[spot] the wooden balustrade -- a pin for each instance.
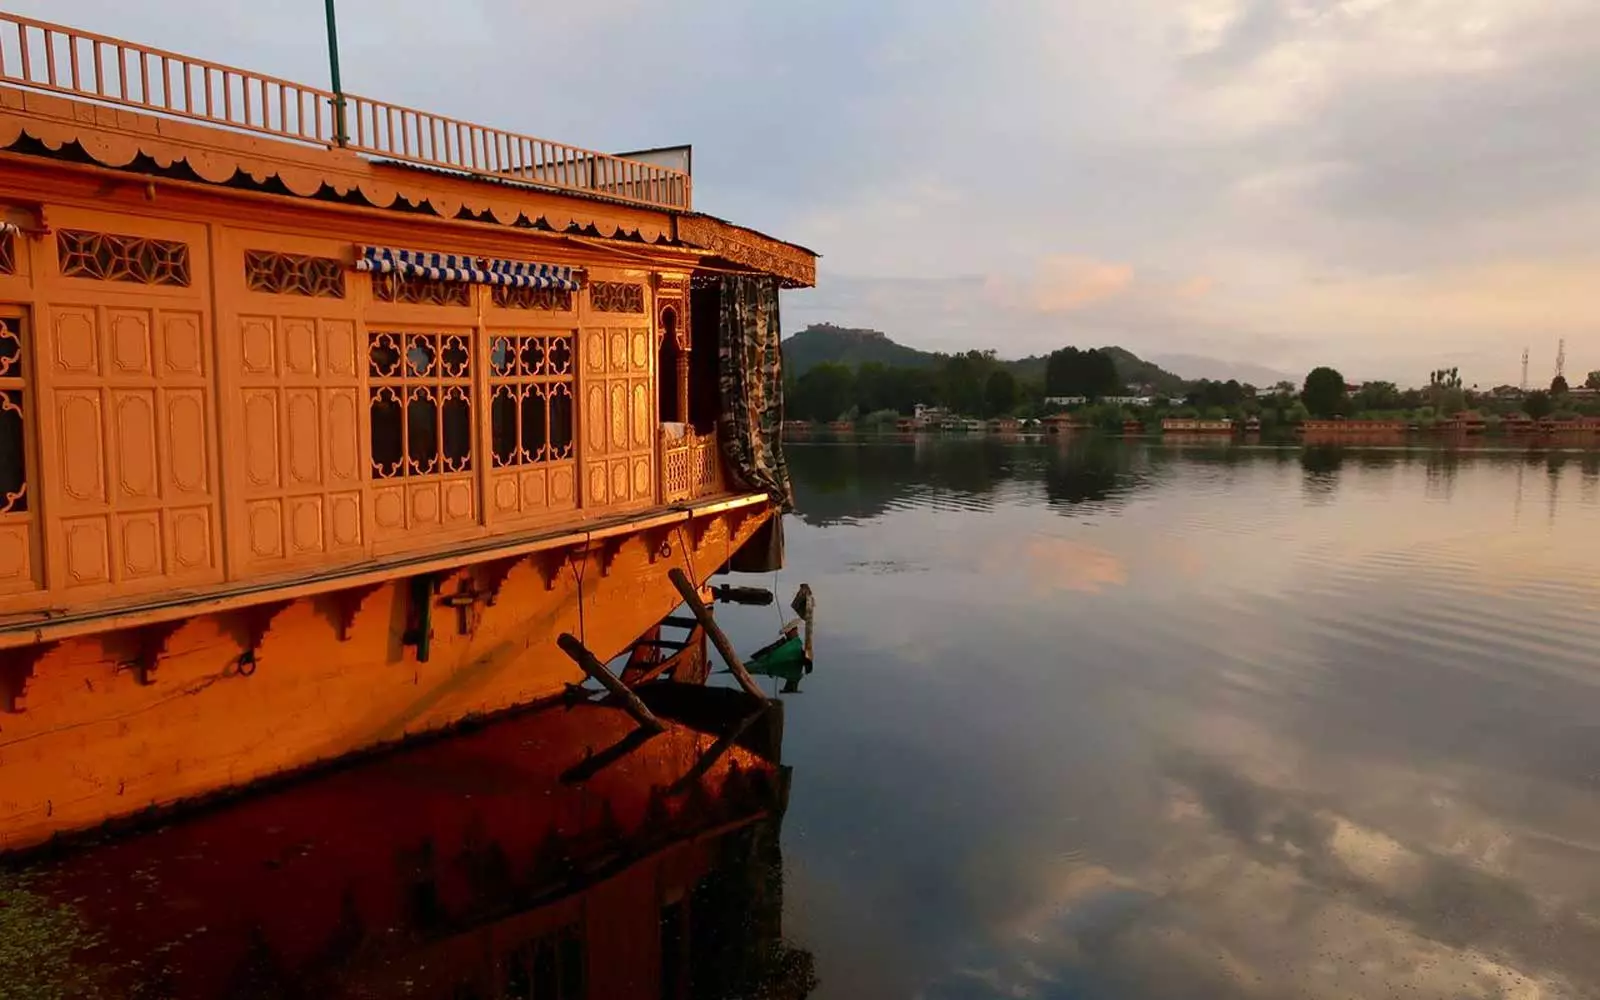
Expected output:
(691, 466)
(44, 56)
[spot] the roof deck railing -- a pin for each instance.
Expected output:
(43, 56)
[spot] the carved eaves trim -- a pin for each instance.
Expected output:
(795, 267)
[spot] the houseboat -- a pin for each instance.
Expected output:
(1341, 429)
(550, 854)
(322, 418)
(1191, 425)
(1062, 423)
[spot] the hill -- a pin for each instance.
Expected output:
(824, 343)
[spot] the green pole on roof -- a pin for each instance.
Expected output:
(339, 134)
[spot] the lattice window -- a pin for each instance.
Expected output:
(530, 398)
(294, 274)
(420, 403)
(529, 297)
(135, 259)
(617, 297)
(13, 426)
(8, 252)
(412, 290)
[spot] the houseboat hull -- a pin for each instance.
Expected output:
(110, 724)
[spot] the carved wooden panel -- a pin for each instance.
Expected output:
(619, 441)
(410, 290)
(8, 252)
(529, 297)
(18, 479)
(616, 296)
(131, 399)
(294, 274)
(138, 260)
(299, 421)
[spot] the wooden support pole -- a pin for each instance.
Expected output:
(592, 666)
(691, 597)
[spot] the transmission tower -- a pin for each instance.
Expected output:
(1524, 386)
(1561, 359)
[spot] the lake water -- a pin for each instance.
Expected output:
(1130, 720)
(1090, 718)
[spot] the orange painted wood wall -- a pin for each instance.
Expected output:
(197, 414)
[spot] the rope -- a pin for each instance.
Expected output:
(583, 634)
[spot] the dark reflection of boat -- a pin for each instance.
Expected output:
(554, 854)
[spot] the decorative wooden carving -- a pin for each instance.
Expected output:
(110, 257)
(420, 291)
(495, 575)
(16, 667)
(607, 549)
(795, 267)
(529, 297)
(149, 644)
(617, 297)
(13, 419)
(419, 403)
(294, 274)
(258, 622)
(8, 252)
(350, 604)
(690, 467)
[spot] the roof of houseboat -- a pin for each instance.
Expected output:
(98, 101)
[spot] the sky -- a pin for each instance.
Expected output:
(1387, 186)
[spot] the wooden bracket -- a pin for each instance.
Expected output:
(658, 542)
(495, 575)
(699, 528)
(258, 622)
(550, 564)
(350, 604)
(737, 519)
(149, 645)
(16, 667)
(608, 549)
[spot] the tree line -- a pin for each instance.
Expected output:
(977, 383)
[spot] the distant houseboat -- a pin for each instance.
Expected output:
(1132, 427)
(1062, 423)
(1341, 428)
(841, 427)
(797, 428)
(1005, 425)
(1190, 425)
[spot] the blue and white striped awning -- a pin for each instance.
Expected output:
(466, 267)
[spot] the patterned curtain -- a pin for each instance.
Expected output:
(751, 373)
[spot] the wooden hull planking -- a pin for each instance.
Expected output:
(109, 725)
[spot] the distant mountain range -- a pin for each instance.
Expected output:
(824, 343)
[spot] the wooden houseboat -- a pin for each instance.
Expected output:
(322, 418)
(1192, 425)
(1062, 423)
(1354, 430)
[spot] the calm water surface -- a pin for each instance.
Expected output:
(1089, 719)
(1130, 720)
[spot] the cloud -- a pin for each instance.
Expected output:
(1315, 160)
(1060, 283)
